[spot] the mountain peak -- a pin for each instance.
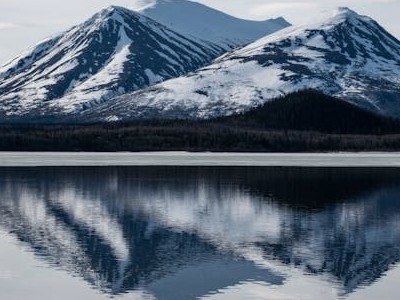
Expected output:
(110, 12)
(345, 11)
(342, 14)
(280, 20)
(115, 51)
(118, 51)
(115, 9)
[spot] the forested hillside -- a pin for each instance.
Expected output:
(299, 122)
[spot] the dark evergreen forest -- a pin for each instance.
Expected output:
(305, 121)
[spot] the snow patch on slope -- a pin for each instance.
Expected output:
(91, 89)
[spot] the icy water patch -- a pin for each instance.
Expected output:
(29, 159)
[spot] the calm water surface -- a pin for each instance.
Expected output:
(179, 233)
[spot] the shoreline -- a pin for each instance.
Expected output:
(194, 159)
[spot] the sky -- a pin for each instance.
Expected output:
(23, 23)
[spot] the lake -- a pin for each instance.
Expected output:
(176, 233)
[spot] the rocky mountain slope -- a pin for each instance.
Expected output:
(344, 54)
(114, 52)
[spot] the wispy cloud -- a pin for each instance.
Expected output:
(259, 10)
(5, 25)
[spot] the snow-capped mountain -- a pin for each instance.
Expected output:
(200, 21)
(344, 54)
(114, 52)
(119, 51)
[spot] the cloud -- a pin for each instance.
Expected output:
(260, 10)
(5, 25)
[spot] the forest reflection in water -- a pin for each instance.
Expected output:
(203, 232)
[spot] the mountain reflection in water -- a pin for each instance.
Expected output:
(186, 233)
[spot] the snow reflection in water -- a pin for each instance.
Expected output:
(191, 233)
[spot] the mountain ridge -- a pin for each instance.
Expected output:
(343, 54)
(222, 29)
(115, 51)
(346, 55)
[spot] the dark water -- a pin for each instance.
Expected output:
(199, 233)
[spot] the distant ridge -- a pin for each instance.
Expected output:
(310, 110)
(200, 21)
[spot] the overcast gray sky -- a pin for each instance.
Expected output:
(25, 22)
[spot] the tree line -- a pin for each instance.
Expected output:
(300, 122)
